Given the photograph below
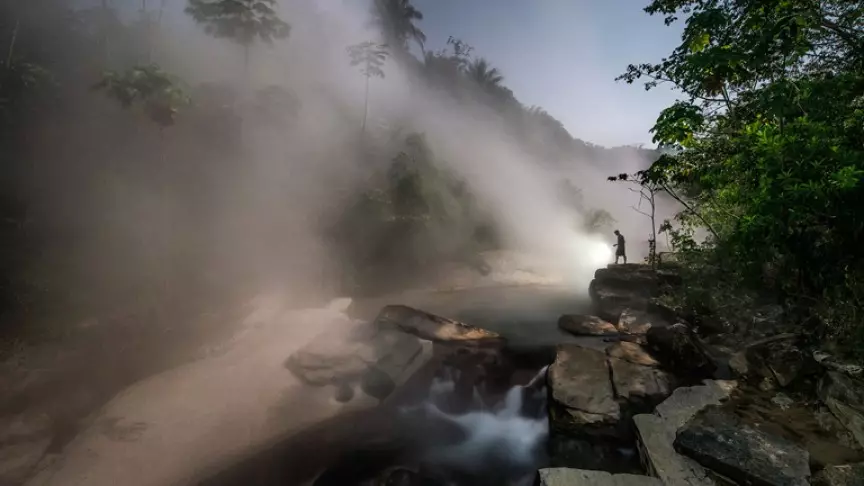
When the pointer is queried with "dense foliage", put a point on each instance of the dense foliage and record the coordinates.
(767, 149)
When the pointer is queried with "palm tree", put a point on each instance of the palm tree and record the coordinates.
(395, 19)
(370, 57)
(486, 76)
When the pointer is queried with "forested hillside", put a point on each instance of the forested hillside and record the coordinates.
(767, 149)
(133, 177)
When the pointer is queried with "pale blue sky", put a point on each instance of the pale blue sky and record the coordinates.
(564, 55)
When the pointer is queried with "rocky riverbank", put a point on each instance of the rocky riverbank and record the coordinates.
(632, 394)
(770, 411)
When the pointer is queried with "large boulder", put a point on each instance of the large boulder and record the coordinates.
(680, 351)
(633, 353)
(719, 441)
(619, 287)
(584, 325)
(433, 328)
(844, 396)
(633, 276)
(373, 357)
(583, 399)
(562, 476)
(638, 385)
(656, 434)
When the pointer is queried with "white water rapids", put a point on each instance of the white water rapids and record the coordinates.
(505, 439)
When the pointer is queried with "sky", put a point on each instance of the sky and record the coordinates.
(564, 55)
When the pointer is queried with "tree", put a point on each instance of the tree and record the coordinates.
(370, 58)
(448, 65)
(396, 21)
(242, 21)
(486, 76)
(767, 149)
(647, 191)
(157, 92)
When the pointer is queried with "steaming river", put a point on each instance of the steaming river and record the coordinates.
(167, 428)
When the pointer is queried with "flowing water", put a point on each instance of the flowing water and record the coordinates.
(484, 438)
(504, 441)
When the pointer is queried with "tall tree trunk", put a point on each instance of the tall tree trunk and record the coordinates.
(653, 249)
(365, 109)
(148, 35)
(105, 20)
(157, 27)
(12, 41)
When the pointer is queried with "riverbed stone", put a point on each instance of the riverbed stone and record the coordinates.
(656, 433)
(634, 382)
(432, 327)
(841, 475)
(632, 352)
(582, 394)
(562, 476)
(638, 322)
(585, 325)
(721, 442)
(351, 354)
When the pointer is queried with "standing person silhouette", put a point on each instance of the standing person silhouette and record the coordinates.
(620, 249)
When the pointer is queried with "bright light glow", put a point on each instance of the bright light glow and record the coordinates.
(597, 253)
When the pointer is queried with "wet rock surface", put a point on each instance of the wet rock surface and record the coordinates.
(722, 443)
(578, 477)
(656, 434)
(645, 385)
(632, 352)
(356, 353)
(843, 475)
(798, 419)
(432, 327)
(585, 325)
(582, 394)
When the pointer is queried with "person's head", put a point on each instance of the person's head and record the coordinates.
(617, 233)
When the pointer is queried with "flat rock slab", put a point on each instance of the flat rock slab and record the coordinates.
(431, 327)
(579, 379)
(562, 476)
(656, 433)
(611, 299)
(641, 382)
(347, 353)
(720, 442)
(585, 325)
